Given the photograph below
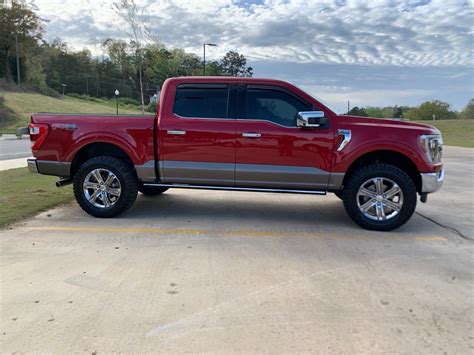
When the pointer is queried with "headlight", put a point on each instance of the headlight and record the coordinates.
(432, 145)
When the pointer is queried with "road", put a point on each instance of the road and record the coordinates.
(199, 271)
(14, 148)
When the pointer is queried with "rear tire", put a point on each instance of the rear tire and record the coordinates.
(151, 190)
(105, 186)
(380, 197)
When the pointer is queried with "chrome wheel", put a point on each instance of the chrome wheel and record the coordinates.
(380, 199)
(101, 188)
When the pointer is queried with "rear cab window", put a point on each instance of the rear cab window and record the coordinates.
(202, 101)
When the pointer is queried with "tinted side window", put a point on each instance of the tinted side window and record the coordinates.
(205, 101)
(273, 105)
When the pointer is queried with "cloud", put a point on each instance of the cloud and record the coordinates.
(374, 52)
(375, 85)
(384, 32)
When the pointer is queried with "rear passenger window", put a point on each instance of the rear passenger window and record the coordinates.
(201, 100)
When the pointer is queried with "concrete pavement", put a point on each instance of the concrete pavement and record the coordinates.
(222, 272)
(453, 205)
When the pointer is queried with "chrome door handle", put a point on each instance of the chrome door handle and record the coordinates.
(251, 135)
(176, 132)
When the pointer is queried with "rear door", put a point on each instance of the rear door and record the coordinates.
(197, 138)
(272, 152)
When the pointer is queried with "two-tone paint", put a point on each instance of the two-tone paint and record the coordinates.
(231, 151)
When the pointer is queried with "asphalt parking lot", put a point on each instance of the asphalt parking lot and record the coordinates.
(201, 271)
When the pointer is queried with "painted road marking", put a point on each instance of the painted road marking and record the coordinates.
(242, 233)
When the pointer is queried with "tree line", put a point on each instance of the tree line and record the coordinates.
(428, 110)
(135, 67)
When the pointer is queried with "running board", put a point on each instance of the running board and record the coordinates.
(231, 188)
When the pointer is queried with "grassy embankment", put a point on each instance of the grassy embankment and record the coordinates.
(459, 133)
(25, 194)
(21, 104)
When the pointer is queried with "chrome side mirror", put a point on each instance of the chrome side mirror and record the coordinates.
(310, 119)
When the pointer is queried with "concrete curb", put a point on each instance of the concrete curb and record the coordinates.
(13, 164)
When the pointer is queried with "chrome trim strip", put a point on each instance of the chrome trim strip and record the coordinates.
(251, 135)
(32, 167)
(347, 136)
(431, 182)
(176, 132)
(229, 188)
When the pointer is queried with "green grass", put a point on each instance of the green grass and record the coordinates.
(455, 132)
(25, 194)
(24, 104)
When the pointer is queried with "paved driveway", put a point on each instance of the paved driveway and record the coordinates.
(198, 271)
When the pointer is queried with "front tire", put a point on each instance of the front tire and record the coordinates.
(105, 186)
(380, 197)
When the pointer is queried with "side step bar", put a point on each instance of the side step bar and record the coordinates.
(231, 188)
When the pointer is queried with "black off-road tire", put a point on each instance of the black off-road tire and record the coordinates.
(151, 190)
(339, 194)
(124, 173)
(385, 171)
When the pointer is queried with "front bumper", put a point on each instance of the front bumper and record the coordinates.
(48, 167)
(431, 182)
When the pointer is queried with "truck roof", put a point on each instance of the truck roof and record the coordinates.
(225, 79)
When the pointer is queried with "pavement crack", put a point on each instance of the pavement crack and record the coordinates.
(448, 228)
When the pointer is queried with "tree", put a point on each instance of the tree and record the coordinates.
(468, 111)
(439, 109)
(356, 111)
(374, 111)
(17, 22)
(129, 12)
(235, 64)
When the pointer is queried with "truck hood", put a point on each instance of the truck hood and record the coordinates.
(390, 123)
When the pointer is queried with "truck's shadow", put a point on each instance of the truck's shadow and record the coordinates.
(245, 210)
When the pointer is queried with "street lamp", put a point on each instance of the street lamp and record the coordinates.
(204, 56)
(64, 86)
(116, 99)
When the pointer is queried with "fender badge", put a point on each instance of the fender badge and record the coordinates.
(66, 126)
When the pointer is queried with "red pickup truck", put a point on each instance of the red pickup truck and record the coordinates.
(241, 134)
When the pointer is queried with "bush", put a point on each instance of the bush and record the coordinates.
(151, 107)
(47, 91)
(441, 110)
(129, 101)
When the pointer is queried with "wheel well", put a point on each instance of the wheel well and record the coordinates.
(98, 149)
(388, 157)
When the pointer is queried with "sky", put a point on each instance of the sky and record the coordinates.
(378, 52)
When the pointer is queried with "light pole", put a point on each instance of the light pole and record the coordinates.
(64, 87)
(117, 93)
(17, 58)
(204, 56)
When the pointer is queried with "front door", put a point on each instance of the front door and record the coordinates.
(198, 137)
(272, 152)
